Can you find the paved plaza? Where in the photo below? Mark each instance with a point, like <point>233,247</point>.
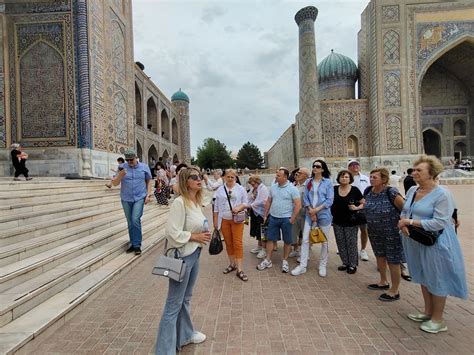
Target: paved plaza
<point>273,313</point>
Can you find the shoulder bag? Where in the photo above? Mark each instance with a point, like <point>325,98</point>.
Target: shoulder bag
<point>316,235</point>
<point>238,217</point>
<point>420,235</point>
<point>171,267</point>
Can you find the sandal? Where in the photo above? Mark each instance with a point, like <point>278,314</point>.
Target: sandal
<point>242,276</point>
<point>229,268</point>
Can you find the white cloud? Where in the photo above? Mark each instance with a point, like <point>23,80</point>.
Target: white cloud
<point>236,60</point>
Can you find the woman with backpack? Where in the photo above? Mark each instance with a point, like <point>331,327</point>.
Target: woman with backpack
<point>382,210</point>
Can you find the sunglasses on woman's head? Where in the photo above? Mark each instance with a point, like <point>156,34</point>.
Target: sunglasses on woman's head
<point>195,177</point>
<point>317,166</point>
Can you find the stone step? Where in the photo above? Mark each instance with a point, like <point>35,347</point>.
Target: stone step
<point>18,234</point>
<point>23,270</point>
<point>52,197</point>
<point>65,202</point>
<point>24,219</point>
<point>37,183</point>
<point>47,191</point>
<point>24,297</point>
<point>52,313</point>
<point>15,252</point>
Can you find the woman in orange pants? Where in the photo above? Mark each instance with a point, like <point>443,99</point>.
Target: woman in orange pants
<point>229,215</point>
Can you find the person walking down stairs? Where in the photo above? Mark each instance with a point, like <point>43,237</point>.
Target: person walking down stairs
<point>135,191</point>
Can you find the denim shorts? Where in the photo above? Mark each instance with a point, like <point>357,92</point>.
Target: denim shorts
<point>275,225</point>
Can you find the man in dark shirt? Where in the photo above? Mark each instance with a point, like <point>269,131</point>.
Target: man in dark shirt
<point>408,181</point>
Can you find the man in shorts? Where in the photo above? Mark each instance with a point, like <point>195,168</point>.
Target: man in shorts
<point>281,210</point>
<point>361,182</point>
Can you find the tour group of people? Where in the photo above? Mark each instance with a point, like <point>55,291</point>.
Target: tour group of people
<point>297,204</point>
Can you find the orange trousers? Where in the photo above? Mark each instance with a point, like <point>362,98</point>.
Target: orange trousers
<point>233,233</point>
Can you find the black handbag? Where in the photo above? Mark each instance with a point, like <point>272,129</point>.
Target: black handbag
<point>357,218</point>
<point>418,234</point>
<point>215,245</point>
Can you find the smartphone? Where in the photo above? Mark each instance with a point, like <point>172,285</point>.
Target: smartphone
<point>120,168</point>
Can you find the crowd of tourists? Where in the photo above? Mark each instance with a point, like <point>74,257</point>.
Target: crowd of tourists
<point>302,208</point>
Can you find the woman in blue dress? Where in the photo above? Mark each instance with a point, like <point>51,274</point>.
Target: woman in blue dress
<point>439,269</point>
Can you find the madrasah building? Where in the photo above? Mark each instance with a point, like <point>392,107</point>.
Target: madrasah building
<point>415,79</point>
<point>72,95</point>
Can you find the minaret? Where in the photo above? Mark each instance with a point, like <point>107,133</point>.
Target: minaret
<point>309,127</point>
<point>181,101</point>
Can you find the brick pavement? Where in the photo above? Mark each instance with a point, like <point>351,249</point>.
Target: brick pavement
<point>273,313</point>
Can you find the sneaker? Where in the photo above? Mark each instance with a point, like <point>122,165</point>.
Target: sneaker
<point>262,254</point>
<point>137,251</point>
<point>418,317</point>
<point>298,270</point>
<point>285,268</point>
<point>256,250</point>
<point>29,178</point>
<point>363,255</point>
<point>265,264</point>
<point>322,271</point>
<point>130,250</point>
<point>342,268</point>
<point>294,253</point>
<point>433,327</point>
<point>197,337</point>
<point>352,270</point>
<point>16,179</point>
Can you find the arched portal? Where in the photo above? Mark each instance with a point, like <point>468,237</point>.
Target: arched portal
<point>352,147</point>
<point>165,155</point>
<point>432,142</point>
<point>460,149</point>
<point>175,157</point>
<point>138,106</point>
<point>447,101</point>
<point>174,131</point>
<point>165,125</point>
<point>152,115</point>
<point>152,154</point>
<point>139,151</point>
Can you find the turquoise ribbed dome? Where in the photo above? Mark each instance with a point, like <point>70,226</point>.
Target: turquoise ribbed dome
<point>337,66</point>
<point>179,95</point>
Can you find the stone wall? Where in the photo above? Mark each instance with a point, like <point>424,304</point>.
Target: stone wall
<point>282,153</point>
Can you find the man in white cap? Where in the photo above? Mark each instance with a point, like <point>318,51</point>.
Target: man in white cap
<point>361,182</point>
<point>135,191</point>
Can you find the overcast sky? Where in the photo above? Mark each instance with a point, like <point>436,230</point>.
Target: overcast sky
<point>237,60</point>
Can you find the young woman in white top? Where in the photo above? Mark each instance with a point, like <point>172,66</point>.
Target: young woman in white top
<point>185,231</point>
<point>224,220</point>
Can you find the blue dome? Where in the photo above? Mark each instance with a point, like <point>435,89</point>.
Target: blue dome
<point>179,95</point>
<point>337,66</point>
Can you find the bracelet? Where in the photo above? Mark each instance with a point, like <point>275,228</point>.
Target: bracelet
<point>411,222</point>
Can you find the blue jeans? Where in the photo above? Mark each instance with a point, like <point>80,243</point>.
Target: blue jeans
<point>275,225</point>
<point>133,212</point>
<point>176,328</point>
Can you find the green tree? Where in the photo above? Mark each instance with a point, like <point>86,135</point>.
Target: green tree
<point>249,156</point>
<point>213,155</point>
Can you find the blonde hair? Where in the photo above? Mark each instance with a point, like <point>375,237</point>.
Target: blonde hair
<point>183,177</point>
<point>435,167</point>
<point>384,174</point>
<point>256,179</point>
<point>230,171</point>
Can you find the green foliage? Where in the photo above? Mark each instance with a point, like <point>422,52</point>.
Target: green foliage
<point>213,155</point>
<point>249,156</point>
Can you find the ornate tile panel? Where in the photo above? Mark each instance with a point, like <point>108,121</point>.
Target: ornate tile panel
<point>390,13</point>
<point>392,88</point>
<point>391,47</point>
<point>393,131</point>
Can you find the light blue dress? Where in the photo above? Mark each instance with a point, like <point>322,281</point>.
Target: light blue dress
<point>440,268</point>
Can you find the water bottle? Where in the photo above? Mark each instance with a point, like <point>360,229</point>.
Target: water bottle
<point>205,226</point>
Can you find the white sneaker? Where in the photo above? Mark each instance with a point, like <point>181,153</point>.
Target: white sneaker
<point>285,267</point>
<point>298,270</point>
<point>262,254</point>
<point>322,271</point>
<point>265,264</point>
<point>294,253</point>
<point>363,255</point>
<point>197,337</point>
<point>256,250</point>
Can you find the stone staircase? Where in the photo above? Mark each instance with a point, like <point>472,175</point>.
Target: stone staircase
<point>60,241</point>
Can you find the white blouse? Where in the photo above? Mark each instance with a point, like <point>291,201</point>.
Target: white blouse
<point>237,195</point>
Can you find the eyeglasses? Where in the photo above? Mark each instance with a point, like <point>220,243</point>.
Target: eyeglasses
<point>315,166</point>
<point>130,159</point>
<point>195,177</point>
